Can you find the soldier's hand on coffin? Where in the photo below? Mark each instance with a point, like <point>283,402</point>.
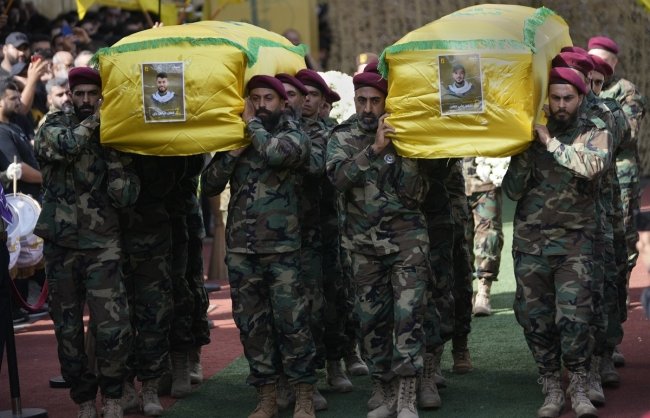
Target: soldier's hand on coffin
<point>542,135</point>
<point>382,137</point>
<point>249,110</point>
<point>14,171</point>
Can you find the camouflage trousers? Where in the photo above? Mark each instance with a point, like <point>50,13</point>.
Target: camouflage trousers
<point>194,275</point>
<point>148,286</point>
<point>270,310</point>
<point>181,338</point>
<point>311,275</point>
<point>488,232</point>
<point>630,193</point>
<point>390,305</point>
<point>606,323</point>
<point>93,277</point>
<point>462,291</point>
<point>439,317</point>
<point>339,303</point>
<point>553,304</point>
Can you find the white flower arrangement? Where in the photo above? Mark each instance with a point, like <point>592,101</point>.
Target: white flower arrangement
<point>342,84</point>
<point>492,169</point>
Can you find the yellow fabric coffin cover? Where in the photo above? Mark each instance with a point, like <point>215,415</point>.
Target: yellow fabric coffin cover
<point>503,52</point>
<point>206,66</point>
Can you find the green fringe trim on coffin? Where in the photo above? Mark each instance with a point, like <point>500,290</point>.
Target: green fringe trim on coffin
<point>251,50</point>
<point>474,44</point>
<point>532,23</point>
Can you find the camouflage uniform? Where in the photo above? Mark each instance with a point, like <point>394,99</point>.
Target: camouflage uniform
<point>84,183</point>
<point>462,266</point>
<point>263,244</point>
<point>486,202</point>
<point>607,318</point>
<point>189,296</point>
<point>439,317</point>
<point>627,161</point>
<point>385,231</point>
<point>311,247</point>
<point>553,244</point>
<point>146,238</point>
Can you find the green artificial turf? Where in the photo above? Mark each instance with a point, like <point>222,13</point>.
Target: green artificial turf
<point>503,383</point>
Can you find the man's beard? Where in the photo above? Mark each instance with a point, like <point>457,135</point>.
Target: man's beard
<point>83,111</point>
<point>368,121</point>
<point>269,119</point>
<point>162,91</point>
<point>563,119</point>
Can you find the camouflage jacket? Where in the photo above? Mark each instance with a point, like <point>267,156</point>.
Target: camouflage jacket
<point>554,187</point>
<point>437,203</point>
<point>145,225</point>
<point>263,209</point>
<point>310,182</point>
<point>631,100</point>
<point>84,183</point>
<point>382,193</point>
<point>607,113</point>
<point>473,183</point>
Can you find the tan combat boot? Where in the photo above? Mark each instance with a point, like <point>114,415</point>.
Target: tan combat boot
<point>594,387</point>
<point>608,375</point>
<point>181,386</point>
<point>304,401</point>
<point>428,396</point>
<point>482,300</point>
<point>87,410</point>
<point>406,398</point>
<point>284,395</point>
<point>554,400</point>
<point>266,402</point>
<point>196,370</point>
<point>112,408</point>
<point>388,406</point>
<point>438,377</point>
<point>151,406</point>
<point>336,377</point>
<point>460,354</point>
<point>355,365</point>
<point>376,395</point>
<point>577,389</point>
<point>129,399</point>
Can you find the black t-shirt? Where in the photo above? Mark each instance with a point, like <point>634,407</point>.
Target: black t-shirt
<point>13,142</point>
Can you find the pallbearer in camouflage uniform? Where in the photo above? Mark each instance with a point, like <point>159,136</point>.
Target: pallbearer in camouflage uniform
<point>146,237</point>
<point>386,233</point>
<point>439,317</point>
<point>554,183</point>
<point>634,105</point>
<point>462,268</point>
<point>84,183</point>
<point>263,246</point>
<point>486,202</point>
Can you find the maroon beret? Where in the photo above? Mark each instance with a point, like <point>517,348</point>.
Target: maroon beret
<point>370,77</point>
<point>602,66</point>
<point>564,75</point>
<point>332,97</point>
<point>83,75</point>
<point>580,62</point>
<point>603,42</point>
<point>574,49</point>
<point>267,82</point>
<point>289,79</point>
<point>312,78</point>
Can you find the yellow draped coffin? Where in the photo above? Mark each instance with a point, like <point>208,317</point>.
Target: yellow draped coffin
<point>504,53</point>
<point>205,66</point>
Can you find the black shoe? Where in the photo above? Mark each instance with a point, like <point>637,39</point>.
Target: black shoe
<point>20,316</point>
<point>212,287</point>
